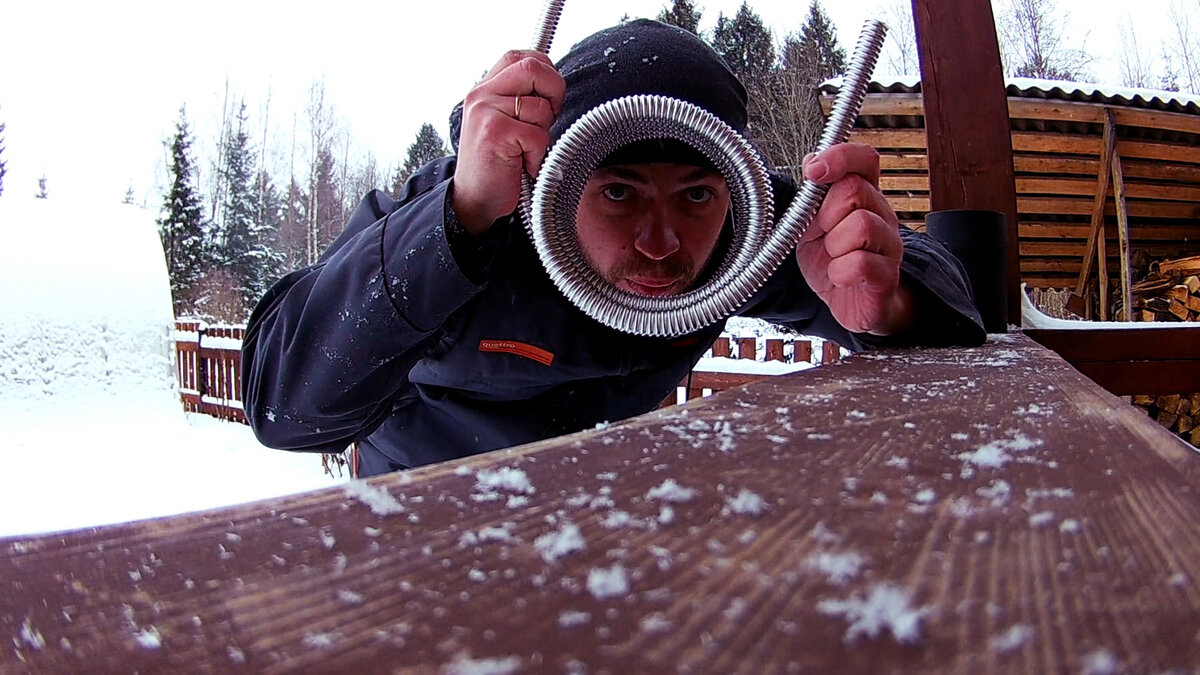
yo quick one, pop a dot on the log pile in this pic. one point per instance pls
(1178, 412)
(1170, 292)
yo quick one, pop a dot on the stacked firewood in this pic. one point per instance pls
(1170, 292)
(1178, 412)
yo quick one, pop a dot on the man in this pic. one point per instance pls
(429, 330)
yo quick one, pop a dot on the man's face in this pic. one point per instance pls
(650, 229)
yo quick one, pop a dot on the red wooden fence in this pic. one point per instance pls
(208, 360)
(207, 367)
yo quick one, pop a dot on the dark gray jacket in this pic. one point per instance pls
(424, 344)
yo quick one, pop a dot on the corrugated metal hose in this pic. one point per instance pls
(548, 204)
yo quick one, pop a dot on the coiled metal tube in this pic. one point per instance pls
(547, 25)
(548, 206)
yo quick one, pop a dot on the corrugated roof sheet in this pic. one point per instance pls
(1071, 92)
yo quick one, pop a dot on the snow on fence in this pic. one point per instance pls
(208, 365)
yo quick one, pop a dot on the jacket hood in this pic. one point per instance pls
(641, 57)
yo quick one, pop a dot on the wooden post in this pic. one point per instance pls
(802, 351)
(830, 352)
(1097, 224)
(1118, 177)
(967, 130)
(1102, 269)
(775, 349)
(722, 348)
(747, 348)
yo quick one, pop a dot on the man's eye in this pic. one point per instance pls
(699, 194)
(617, 192)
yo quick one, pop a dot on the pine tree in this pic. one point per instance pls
(236, 246)
(427, 147)
(128, 195)
(818, 46)
(324, 208)
(3, 163)
(267, 248)
(746, 46)
(293, 228)
(42, 193)
(683, 14)
(793, 120)
(181, 223)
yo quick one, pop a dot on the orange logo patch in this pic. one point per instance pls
(519, 348)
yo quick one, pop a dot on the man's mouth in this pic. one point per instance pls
(651, 285)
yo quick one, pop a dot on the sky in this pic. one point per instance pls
(91, 91)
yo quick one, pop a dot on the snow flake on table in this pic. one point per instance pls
(671, 491)
(1012, 639)
(558, 543)
(484, 535)
(505, 478)
(604, 583)
(1099, 662)
(996, 454)
(465, 665)
(31, 636)
(837, 567)
(149, 638)
(380, 501)
(745, 503)
(573, 619)
(886, 607)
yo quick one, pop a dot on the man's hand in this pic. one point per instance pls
(505, 129)
(850, 254)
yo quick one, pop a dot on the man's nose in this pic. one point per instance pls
(656, 238)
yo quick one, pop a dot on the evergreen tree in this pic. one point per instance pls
(427, 147)
(3, 163)
(265, 238)
(181, 223)
(293, 228)
(818, 46)
(792, 119)
(746, 46)
(324, 209)
(237, 246)
(128, 196)
(682, 13)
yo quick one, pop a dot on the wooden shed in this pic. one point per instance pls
(1146, 181)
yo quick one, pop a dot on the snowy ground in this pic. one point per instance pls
(99, 469)
(91, 428)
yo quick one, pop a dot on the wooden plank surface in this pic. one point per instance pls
(1151, 359)
(946, 510)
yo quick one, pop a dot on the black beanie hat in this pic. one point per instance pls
(648, 57)
(642, 57)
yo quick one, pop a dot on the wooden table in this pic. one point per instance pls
(977, 510)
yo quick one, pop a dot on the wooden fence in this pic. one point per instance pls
(208, 369)
(208, 366)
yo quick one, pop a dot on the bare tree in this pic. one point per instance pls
(1182, 46)
(1031, 33)
(1136, 64)
(900, 50)
(322, 202)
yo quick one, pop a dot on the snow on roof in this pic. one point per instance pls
(1083, 92)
